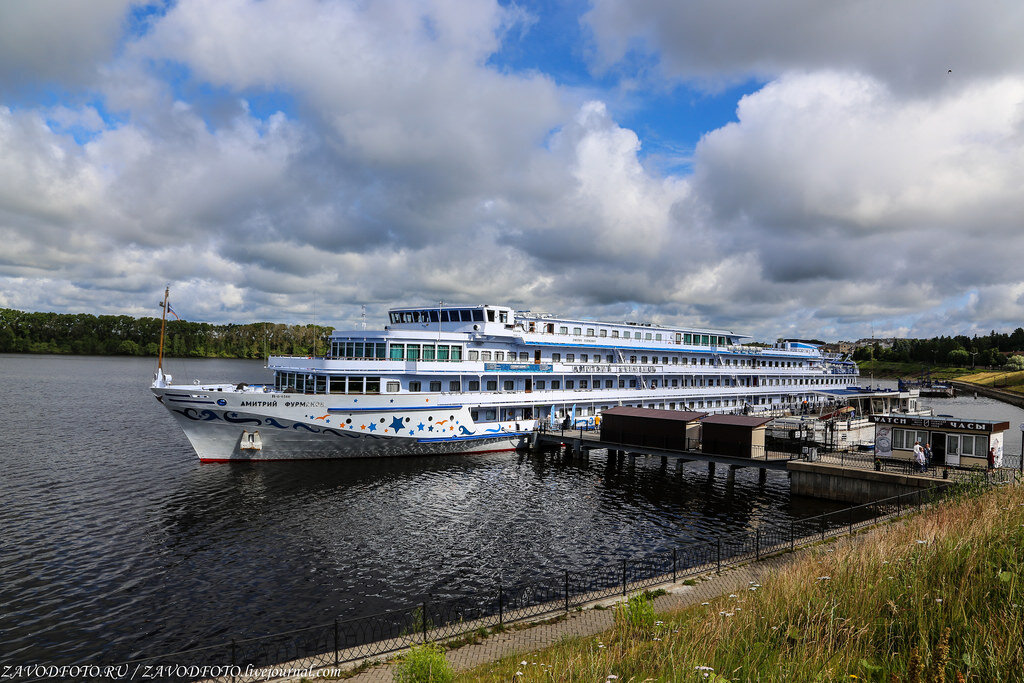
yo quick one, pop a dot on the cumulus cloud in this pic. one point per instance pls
(58, 41)
(908, 44)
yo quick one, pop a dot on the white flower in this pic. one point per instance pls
(824, 578)
(522, 663)
(703, 668)
(612, 677)
(938, 599)
(705, 603)
(733, 595)
(519, 673)
(922, 542)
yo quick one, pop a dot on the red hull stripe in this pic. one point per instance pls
(213, 460)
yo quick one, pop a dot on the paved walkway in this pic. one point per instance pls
(590, 622)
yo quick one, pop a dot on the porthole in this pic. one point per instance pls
(348, 421)
(382, 420)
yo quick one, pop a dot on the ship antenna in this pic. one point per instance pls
(363, 315)
(440, 305)
(314, 324)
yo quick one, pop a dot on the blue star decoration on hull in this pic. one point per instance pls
(396, 424)
(373, 426)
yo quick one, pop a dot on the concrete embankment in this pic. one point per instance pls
(990, 392)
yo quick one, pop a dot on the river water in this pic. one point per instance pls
(115, 542)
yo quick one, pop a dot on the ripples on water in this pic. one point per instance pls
(117, 542)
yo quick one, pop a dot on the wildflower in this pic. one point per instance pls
(885, 561)
(600, 646)
(612, 677)
(519, 673)
(658, 623)
(522, 663)
(733, 595)
(703, 668)
(938, 599)
(753, 588)
(705, 603)
(922, 542)
(824, 578)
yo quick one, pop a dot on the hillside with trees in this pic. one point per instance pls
(991, 350)
(122, 335)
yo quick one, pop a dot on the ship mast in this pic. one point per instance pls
(163, 326)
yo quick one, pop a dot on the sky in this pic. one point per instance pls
(794, 168)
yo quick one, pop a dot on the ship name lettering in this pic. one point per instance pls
(304, 404)
(259, 404)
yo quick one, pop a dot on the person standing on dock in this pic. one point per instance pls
(919, 456)
(928, 454)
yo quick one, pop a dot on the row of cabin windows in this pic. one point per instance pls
(430, 352)
(683, 405)
(680, 337)
(304, 383)
(654, 360)
(445, 315)
(973, 445)
(358, 349)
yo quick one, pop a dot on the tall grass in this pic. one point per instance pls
(935, 597)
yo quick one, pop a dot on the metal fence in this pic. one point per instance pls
(335, 643)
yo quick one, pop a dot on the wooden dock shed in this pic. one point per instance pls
(669, 429)
(955, 441)
(741, 436)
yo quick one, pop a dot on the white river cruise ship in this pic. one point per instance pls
(461, 379)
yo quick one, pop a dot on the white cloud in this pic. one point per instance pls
(909, 44)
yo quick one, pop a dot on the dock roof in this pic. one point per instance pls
(655, 414)
(737, 420)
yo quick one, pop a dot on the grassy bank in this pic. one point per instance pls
(890, 370)
(1007, 381)
(935, 597)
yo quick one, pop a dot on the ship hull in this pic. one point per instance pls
(261, 428)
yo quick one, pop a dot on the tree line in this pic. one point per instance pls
(122, 335)
(995, 350)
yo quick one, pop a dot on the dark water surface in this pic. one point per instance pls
(116, 542)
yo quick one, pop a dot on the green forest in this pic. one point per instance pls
(122, 335)
(991, 350)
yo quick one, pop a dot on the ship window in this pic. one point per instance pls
(490, 315)
(603, 333)
(577, 331)
(583, 358)
(632, 359)
(647, 336)
(643, 359)
(556, 358)
(474, 385)
(321, 384)
(435, 386)
(590, 332)
(632, 384)
(625, 335)
(499, 355)
(687, 338)
(549, 328)
(675, 382)
(608, 384)
(622, 383)
(654, 384)
(428, 352)
(583, 384)
(615, 334)
(393, 387)
(570, 357)
(414, 386)
(456, 353)
(570, 384)
(397, 351)
(412, 351)
(455, 386)
(337, 385)
(442, 352)
(705, 340)
(608, 358)
(474, 355)
(373, 385)
(654, 360)
(502, 316)
(509, 385)
(556, 384)
(478, 315)
(523, 355)
(492, 385)
(485, 355)
(541, 384)
(355, 385)
(702, 361)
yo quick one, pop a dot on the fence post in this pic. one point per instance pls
(849, 512)
(822, 527)
(566, 590)
(792, 537)
(673, 565)
(757, 545)
(501, 604)
(423, 607)
(719, 554)
(335, 642)
(624, 578)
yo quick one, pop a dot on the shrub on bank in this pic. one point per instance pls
(424, 664)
